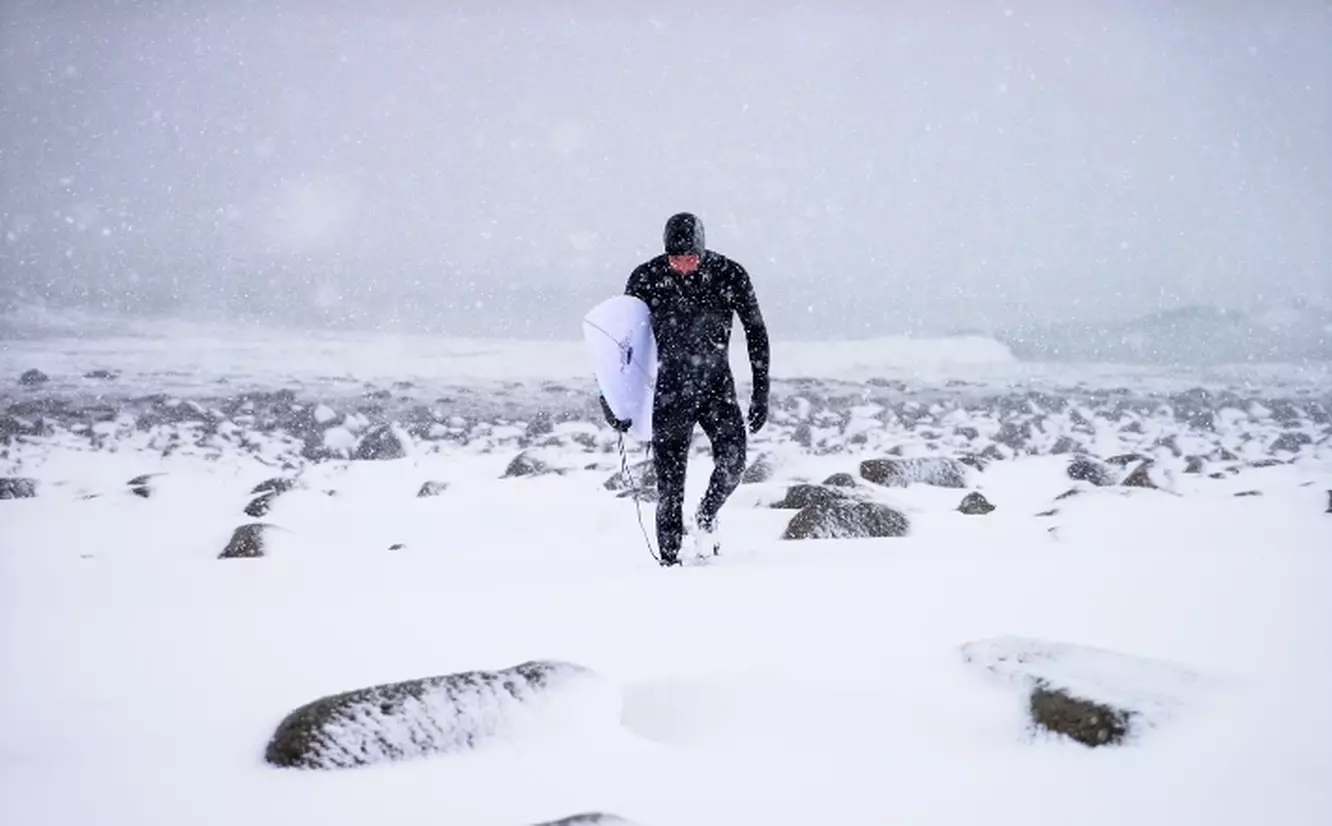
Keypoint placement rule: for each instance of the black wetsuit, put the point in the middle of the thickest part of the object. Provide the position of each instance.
(691, 320)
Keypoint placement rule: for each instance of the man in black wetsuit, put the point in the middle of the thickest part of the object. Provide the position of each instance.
(692, 293)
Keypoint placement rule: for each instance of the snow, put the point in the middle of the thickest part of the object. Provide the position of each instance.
(786, 682)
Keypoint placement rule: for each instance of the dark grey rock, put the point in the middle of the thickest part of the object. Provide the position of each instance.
(1140, 478)
(1290, 442)
(33, 378)
(1126, 459)
(1195, 464)
(1085, 721)
(1066, 444)
(762, 469)
(588, 819)
(247, 542)
(414, 718)
(525, 464)
(970, 433)
(898, 473)
(1260, 463)
(382, 443)
(260, 505)
(638, 476)
(432, 488)
(840, 480)
(975, 504)
(142, 486)
(17, 487)
(1250, 493)
(1087, 469)
(278, 484)
(803, 496)
(846, 520)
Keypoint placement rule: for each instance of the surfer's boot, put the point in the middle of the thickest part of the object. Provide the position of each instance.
(706, 541)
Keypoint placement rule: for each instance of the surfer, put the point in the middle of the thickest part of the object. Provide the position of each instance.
(692, 293)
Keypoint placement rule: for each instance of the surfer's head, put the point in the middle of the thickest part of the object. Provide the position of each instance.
(683, 239)
(683, 235)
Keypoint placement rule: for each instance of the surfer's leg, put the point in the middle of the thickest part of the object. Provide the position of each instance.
(725, 428)
(670, 453)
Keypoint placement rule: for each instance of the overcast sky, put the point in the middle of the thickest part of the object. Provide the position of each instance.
(462, 166)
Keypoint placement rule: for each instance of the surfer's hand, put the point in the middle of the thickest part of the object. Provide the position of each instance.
(758, 412)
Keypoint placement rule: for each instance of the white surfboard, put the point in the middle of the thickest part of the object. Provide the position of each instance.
(619, 338)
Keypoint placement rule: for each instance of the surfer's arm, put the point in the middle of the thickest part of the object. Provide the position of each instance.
(746, 305)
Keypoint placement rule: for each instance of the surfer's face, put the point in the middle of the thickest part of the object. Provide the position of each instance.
(683, 263)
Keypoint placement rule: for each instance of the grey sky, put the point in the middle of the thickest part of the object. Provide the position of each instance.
(922, 167)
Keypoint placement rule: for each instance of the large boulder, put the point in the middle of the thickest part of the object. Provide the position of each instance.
(527, 463)
(17, 487)
(846, 520)
(899, 473)
(415, 718)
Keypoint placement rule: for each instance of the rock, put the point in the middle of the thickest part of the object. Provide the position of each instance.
(1260, 463)
(141, 485)
(1329, 502)
(1125, 459)
(969, 433)
(260, 505)
(382, 443)
(1195, 464)
(100, 373)
(246, 542)
(761, 469)
(33, 378)
(975, 504)
(278, 484)
(17, 487)
(1087, 722)
(432, 488)
(1140, 478)
(803, 496)
(1223, 455)
(1250, 493)
(1050, 512)
(1290, 442)
(803, 435)
(898, 473)
(397, 546)
(415, 718)
(1066, 444)
(588, 819)
(1094, 696)
(846, 520)
(638, 476)
(1087, 469)
(525, 464)
(840, 480)
(1068, 494)
(972, 460)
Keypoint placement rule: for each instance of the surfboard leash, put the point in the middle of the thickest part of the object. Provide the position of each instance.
(638, 503)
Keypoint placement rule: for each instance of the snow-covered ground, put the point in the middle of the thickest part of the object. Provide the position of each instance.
(869, 680)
